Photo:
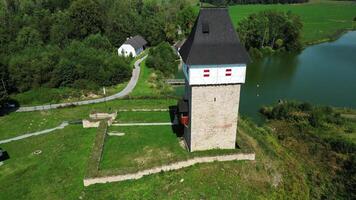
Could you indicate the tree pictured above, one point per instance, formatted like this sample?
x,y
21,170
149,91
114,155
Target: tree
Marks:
x,y
33,67
163,59
84,64
4,76
264,29
186,18
61,29
123,22
99,42
87,17
28,37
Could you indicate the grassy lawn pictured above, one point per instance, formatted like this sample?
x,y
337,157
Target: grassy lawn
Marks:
x,y
15,124
284,169
57,173
142,88
141,148
322,20
149,146
225,180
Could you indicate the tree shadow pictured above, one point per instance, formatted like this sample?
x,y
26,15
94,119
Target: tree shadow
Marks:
x,y
177,128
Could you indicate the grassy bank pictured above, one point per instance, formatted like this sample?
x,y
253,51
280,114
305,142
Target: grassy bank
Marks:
x,y
322,20
41,96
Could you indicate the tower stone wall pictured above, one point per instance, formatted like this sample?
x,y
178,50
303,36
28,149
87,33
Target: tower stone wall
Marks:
x,y
213,114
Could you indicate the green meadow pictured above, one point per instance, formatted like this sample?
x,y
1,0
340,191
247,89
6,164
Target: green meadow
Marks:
x,y
293,160
322,20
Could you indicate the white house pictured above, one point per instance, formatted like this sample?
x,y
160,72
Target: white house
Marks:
x,y
133,46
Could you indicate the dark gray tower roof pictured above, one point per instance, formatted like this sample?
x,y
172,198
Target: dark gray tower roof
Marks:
x,y
213,40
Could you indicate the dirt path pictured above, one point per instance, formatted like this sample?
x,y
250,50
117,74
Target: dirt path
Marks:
x,y
170,167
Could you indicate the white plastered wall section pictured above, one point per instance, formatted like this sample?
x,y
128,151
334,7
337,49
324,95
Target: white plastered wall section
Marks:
x,y
126,50
215,74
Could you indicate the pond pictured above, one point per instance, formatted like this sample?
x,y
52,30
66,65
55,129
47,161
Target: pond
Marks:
x,y
323,74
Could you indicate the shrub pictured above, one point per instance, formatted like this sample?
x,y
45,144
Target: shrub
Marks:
x,y
305,107
315,119
163,58
349,129
255,53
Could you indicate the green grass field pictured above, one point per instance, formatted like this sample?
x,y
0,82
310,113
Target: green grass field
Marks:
x,y
150,146
141,117
57,173
142,88
323,20
290,167
16,124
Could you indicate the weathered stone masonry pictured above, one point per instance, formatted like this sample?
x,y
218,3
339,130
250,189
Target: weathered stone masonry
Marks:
x,y
213,117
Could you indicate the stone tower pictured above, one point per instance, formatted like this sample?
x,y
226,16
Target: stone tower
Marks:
x,y
214,69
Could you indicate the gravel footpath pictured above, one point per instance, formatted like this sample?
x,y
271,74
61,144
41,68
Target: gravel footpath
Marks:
x,y
61,126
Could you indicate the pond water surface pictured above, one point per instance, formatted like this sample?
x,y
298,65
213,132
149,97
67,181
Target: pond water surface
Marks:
x,y
322,74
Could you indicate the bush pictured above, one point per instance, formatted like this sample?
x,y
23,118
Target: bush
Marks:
x,y
306,107
163,58
315,119
255,53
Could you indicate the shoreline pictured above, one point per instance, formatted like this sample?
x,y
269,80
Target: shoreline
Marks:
x,y
331,38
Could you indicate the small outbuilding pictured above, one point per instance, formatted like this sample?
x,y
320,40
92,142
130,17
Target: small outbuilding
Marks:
x,y
133,46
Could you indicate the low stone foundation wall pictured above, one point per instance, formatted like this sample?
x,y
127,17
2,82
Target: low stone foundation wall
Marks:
x,y
170,167
100,116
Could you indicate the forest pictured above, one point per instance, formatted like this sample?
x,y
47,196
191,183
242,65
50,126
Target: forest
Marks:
x,y
71,43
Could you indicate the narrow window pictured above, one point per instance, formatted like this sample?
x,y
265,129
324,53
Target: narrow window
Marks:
x,y
228,72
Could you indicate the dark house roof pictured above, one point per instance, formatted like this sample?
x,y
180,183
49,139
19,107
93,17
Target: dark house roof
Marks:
x,y
136,42
213,40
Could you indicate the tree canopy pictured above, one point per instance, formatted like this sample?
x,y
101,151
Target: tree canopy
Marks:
x,y
271,29
163,58
72,43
